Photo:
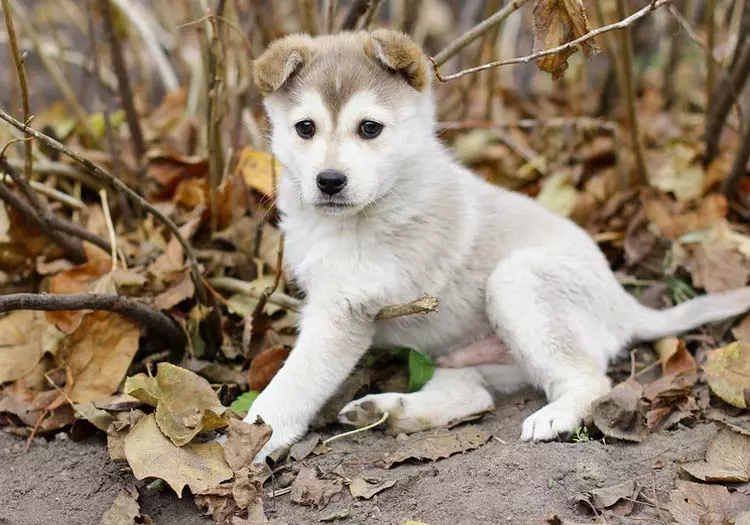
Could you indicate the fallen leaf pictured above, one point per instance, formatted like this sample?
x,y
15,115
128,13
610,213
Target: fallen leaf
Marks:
x,y
118,430
304,448
698,504
183,289
337,516
716,269
265,365
437,444
144,388
258,169
76,280
362,488
676,168
619,499
620,413
244,441
25,336
558,194
124,509
98,354
241,405
101,419
150,454
671,400
187,404
741,332
421,369
727,459
674,356
674,225
309,490
727,371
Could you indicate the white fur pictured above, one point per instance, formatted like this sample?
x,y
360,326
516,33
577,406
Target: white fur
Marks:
x,y
421,223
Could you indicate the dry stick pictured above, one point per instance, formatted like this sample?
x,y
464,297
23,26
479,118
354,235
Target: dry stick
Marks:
x,y
356,9
133,195
622,24
372,12
52,193
22,84
424,305
478,30
159,324
709,49
739,167
628,90
330,10
723,99
54,226
216,72
126,93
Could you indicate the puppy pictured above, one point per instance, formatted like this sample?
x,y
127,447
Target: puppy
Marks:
x,y
376,212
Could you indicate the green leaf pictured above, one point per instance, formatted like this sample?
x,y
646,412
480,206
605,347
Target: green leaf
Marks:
x,y
421,369
241,405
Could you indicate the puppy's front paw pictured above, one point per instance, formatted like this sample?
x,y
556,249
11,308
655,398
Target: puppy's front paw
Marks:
x,y
552,421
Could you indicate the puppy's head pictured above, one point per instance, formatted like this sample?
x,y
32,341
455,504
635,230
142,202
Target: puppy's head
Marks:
x,y
348,111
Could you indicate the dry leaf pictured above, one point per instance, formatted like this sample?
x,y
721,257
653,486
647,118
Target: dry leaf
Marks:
x,y
183,289
101,419
671,400
557,22
362,488
118,430
308,490
674,356
150,454
673,225
144,388
727,459
699,504
244,441
265,365
741,332
258,170
676,168
76,280
620,413
558,194
187,404
25,336
304,448
124,509
618,499
437,444
98,355
727,371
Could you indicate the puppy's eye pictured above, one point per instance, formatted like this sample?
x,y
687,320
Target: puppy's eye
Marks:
x,y
305,129
369,129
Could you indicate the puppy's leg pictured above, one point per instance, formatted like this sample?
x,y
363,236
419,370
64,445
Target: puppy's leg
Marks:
x,y
331,342
453,394
541,308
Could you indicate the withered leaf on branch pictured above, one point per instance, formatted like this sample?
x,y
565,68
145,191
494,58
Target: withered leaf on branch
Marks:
x,y
557,22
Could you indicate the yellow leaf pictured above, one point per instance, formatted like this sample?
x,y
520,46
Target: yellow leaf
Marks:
x,y
150,454
558,195
24,337
143,388
258,170
728,373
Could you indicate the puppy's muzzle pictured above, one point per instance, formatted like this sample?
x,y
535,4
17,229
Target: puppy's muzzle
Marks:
x,y
331,182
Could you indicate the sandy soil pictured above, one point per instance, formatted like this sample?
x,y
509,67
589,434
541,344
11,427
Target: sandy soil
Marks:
x,y
60,482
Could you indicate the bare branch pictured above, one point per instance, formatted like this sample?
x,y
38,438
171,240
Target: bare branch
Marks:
x,y
739,167
478,30
330,15
356,10
622,24
424,305
158,324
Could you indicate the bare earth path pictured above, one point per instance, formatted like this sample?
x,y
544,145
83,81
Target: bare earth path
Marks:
x,y
65,483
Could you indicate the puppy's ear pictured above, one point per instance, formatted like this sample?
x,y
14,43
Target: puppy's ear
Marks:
x,y
397,52
280,61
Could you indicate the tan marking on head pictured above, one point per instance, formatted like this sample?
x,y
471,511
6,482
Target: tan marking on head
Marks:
x,y
398,52
282,59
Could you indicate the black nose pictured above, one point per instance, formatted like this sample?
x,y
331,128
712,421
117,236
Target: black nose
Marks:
x,y
331,182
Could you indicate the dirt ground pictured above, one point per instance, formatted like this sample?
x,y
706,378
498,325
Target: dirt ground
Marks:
x,y
60,482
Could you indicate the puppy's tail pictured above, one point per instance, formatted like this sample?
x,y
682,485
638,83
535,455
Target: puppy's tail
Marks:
x,y
654,324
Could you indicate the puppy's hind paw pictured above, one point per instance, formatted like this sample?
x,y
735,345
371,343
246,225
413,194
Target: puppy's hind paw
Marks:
x,y
370,409
553,421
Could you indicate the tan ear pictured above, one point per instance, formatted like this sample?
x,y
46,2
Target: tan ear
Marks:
x,y
282,59
397,52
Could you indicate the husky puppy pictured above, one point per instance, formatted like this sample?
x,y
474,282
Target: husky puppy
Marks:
x,y
376,212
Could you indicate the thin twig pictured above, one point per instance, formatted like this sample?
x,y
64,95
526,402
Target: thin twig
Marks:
x,y
133,195
356,9
478,30
628,90
622,24
372,12
357,430
308,17
126,93
159,324
51,224
330,11
424,305
709,49
110,227
18,61
276,298
52,193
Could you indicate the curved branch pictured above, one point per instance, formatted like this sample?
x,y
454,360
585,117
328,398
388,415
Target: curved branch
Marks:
x,y
159,324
